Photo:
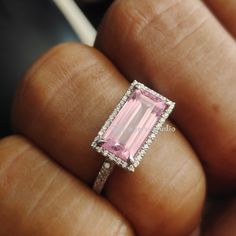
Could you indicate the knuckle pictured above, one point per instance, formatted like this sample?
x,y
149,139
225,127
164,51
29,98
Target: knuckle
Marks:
x,y
56,62
66,67
62,63
56,89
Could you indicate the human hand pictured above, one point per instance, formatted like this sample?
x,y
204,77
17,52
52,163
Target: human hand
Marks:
x,y
179,49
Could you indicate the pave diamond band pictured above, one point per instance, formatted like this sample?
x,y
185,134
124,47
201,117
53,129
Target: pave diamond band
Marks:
x,y
105,171
127,134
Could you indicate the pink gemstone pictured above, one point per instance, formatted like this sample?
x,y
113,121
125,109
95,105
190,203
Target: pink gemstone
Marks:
x,y
133,124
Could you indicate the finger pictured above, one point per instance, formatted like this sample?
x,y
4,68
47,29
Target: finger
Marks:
x,y
222,221
225,10
39,198
196,232
62,104
182,51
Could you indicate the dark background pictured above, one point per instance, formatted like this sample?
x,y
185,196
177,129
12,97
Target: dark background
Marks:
x,y
27,29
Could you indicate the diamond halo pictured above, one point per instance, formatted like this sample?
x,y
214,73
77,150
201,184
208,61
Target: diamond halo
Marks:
x,y
96,144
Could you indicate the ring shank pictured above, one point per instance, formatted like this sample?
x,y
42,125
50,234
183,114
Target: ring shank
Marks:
x,y
104,173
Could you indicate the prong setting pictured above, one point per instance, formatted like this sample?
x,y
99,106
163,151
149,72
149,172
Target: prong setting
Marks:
x,y
100,141
130,160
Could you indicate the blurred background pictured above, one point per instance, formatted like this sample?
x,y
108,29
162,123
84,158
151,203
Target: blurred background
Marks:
x,y
30,27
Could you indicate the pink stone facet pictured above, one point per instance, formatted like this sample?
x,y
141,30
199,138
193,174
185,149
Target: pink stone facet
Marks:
x,y
132,125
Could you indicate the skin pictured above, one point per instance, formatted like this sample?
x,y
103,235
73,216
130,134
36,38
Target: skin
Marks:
x,y
33,188
225,11
46,171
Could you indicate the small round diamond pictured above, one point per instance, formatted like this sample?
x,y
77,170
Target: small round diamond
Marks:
x,y
153,135
149,141
105,153
107,165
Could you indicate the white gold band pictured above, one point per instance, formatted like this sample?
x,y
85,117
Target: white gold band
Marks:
x,y
103,174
